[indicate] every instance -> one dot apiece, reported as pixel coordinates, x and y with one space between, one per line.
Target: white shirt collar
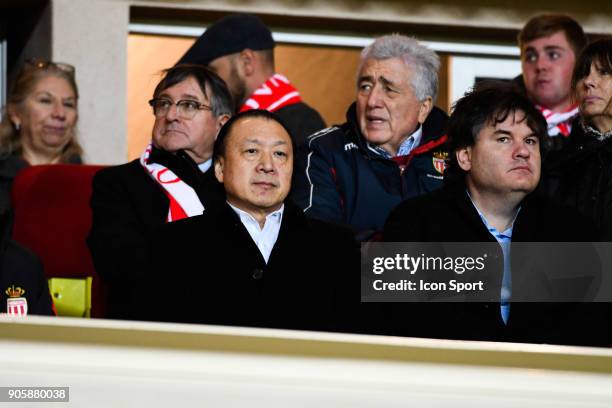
206 165
265 237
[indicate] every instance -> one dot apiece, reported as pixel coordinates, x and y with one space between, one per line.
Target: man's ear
464 158
219 169
221 121
247 61
424 108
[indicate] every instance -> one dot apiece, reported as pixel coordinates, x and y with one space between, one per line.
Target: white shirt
264 238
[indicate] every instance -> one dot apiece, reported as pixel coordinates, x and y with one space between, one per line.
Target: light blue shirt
504 238
265 237
206 165
405 148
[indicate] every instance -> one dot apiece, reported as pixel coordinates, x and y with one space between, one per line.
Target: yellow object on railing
72 297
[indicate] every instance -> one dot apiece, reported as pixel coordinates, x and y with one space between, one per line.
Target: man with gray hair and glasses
173 179
391 148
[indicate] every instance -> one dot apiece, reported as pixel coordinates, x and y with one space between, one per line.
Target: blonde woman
39 122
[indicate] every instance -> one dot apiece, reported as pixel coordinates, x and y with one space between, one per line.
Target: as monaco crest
16 304
439 161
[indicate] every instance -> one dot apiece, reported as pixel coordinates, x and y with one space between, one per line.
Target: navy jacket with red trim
339 179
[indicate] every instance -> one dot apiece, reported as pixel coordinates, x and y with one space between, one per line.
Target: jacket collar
457 195
353 127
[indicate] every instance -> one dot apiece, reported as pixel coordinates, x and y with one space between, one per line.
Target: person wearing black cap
240 48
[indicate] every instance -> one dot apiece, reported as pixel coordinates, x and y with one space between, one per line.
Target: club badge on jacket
439 161
16 304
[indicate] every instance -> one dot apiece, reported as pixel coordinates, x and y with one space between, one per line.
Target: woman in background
581 175
39 123
592 82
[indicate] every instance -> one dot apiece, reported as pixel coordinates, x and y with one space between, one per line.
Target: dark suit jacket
127 207
448 215
207 269
21 268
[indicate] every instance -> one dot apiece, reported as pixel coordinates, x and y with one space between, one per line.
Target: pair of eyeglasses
39 63
185 108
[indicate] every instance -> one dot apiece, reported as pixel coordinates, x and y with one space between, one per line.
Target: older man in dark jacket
390 149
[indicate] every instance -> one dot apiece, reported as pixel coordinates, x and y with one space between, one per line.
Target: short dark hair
544 25
220 100
490 102
221 141
599 51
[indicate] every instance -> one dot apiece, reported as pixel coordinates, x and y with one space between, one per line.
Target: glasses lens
160 106
187 109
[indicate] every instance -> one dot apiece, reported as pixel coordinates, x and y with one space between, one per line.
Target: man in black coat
23 285
173 179
255 260
494 136
240 48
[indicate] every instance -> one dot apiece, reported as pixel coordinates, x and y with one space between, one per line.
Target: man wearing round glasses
172 179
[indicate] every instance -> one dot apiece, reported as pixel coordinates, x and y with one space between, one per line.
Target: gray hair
424 62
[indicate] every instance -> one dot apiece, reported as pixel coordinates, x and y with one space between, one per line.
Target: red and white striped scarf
184 201
277 92
559 122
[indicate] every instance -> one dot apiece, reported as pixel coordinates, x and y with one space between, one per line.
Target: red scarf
559 123
277 92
